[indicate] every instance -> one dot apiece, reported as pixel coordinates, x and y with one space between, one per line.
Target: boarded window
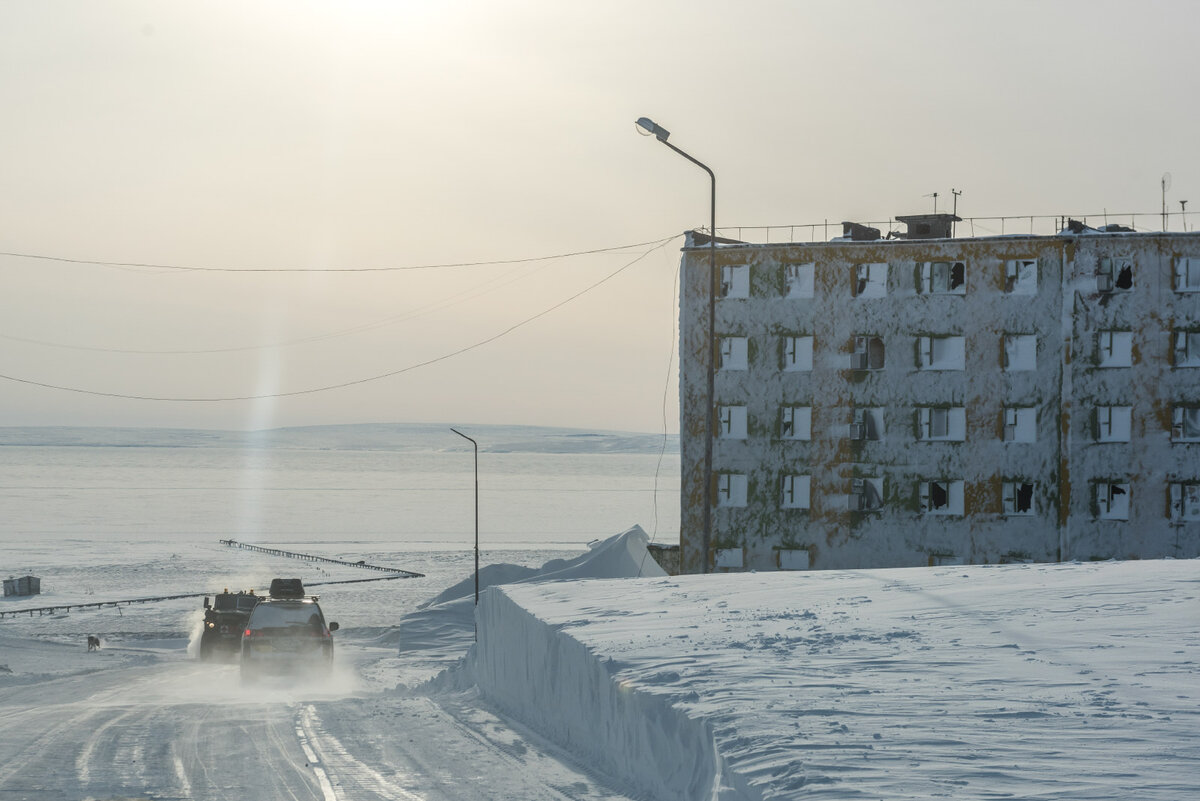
794 559
728 559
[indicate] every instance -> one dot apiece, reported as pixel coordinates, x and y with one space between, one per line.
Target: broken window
1020 352
868 353
1113 423
1020 277
797 353
731 422
1020 424
735 281
798 280
942 423
941 353
870 280
1114 349
944 277
941 497
1185 501
732 353
1112 500
866 494
867 424
795 422
1187 275
795 493
731 489
1185 424
1017 498
1187 348
1114 275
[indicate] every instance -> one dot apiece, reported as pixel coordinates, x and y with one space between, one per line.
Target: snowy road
173 728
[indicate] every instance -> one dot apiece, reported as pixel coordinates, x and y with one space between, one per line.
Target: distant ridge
355 436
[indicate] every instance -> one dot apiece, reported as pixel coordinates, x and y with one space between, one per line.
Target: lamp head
648 127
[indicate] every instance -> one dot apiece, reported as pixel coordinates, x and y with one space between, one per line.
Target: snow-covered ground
1058 681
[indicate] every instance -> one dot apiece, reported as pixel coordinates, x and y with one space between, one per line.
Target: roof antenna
954 223
934 196
1183 214
1166 184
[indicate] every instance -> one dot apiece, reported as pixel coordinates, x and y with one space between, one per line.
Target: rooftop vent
929 226
857 232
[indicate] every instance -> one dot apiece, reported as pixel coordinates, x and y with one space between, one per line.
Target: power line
195 268
79 390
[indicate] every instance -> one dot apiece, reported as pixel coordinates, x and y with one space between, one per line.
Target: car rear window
269 616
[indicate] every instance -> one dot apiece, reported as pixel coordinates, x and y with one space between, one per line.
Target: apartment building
932 400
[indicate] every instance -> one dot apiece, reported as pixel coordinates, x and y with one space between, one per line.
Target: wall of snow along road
556 685
1072 681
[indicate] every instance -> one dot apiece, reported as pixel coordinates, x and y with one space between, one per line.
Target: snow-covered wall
558 686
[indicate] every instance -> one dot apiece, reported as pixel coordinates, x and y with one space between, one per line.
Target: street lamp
475 445
647 127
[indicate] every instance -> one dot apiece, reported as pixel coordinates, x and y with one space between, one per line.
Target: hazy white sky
392 134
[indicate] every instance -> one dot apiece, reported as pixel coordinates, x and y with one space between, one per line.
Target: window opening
1113 423
1187 275
870 280
735 281
733 353
797 354
796 491
799 279
1185 501
795 422
943 277
868 353
1017 497
732 422
1112 500
1115 348
1020 277
1187 348
1185 425
1114 275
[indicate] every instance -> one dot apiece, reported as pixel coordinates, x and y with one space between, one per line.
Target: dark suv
287 634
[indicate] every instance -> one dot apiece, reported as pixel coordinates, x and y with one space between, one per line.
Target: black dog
93 643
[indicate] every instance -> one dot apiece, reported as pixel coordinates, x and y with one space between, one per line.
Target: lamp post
475 445
648 127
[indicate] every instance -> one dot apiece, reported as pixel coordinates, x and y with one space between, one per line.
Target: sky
302 159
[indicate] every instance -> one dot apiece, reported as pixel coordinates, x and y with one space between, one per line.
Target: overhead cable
195 268
353 382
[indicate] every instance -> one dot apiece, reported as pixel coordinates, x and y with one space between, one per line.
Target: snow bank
1075 680
442 629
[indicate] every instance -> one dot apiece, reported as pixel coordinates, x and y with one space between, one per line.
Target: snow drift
1073 680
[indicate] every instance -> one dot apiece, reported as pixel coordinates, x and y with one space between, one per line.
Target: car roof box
287 588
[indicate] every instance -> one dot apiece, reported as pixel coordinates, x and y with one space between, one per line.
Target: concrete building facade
920 401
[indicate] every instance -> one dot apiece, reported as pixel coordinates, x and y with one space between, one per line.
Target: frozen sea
103 514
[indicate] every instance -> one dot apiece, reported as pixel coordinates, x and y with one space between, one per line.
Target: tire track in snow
328 750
